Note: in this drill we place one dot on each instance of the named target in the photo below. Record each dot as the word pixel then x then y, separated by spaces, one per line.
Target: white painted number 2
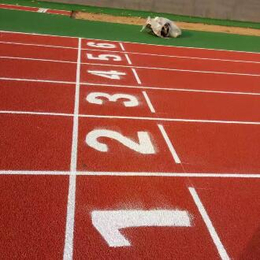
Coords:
pixel 143 146
pixel 101 45
pixel 104 57
pixel 112 74
pixel 95 98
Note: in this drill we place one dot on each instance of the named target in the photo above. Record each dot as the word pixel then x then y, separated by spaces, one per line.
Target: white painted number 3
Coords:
pixel 144 145
pixel 95 98
pixel 112 74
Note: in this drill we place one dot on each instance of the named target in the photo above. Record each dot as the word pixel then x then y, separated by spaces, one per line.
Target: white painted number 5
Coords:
pixel 95 98
pixel 144 145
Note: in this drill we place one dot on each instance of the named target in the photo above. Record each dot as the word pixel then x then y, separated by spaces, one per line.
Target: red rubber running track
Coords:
pixel 116 150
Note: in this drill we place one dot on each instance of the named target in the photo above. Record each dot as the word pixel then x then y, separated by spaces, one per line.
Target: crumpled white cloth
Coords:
pixel 156 24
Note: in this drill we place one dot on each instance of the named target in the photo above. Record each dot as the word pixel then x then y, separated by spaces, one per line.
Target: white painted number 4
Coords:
pixel 112 74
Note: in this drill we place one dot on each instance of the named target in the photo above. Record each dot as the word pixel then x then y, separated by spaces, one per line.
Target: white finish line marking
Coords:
pixel 69 233
pixel 148 101
pixel 109 222
pixel 221 250
pixel 42 10
pixel 169 144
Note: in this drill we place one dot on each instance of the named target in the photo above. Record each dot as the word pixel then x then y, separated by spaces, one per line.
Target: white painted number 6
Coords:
pixel 101 45
pixel 144 145
pixel 95 98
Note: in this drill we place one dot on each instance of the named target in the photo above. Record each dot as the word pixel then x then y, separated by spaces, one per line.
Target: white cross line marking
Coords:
pixel 221 249
pixel 136 174
pixel 128 59
pixel 177 47
pixel 136 76
pixel 148 101
pixel 179 70
pixel 173 89
pixel 122 46
pixel 70 219
pixel 36 59
pixel 169 144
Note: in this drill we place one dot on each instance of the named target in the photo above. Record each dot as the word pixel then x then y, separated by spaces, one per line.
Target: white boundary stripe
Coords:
pixel 34 113
pixel 137 87
pixel 37 45
pixel 167 46
pixel 169 144
pixel 136 174
pixel 148 101
pixel 173 89
pixel 174 69
pixel 69 233
pixel 136 76
pixel 221 249
pixel 174 119
pixel 36 59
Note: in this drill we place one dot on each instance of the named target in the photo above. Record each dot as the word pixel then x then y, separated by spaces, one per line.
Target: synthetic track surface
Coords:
pixel 115 150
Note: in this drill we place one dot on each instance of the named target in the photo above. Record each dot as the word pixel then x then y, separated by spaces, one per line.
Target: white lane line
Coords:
pixel 8 172
pixel 69 233
pixel 170 46
pixel 37 45
pixel 178 56
pixel 173 119
pixel 173 89
pixel 131 117
pixel 38 80
pixel 220 247
pixel 136 76
pixel 36 59
pixel 133 87
pixel 34 113
pixel 137 174
pixel 128 59
pixel 178 70
pixel 169 144
pixel 42 10
pixel 148 101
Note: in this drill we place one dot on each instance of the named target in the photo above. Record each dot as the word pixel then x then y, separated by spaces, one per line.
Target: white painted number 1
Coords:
pixel 143 146
pixel 112 74
pixel 109 222
pixel 95 98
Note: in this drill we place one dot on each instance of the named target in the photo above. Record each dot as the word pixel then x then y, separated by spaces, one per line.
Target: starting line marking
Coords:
pixel 136 174
pixel 136 76
pixel 70 219
pixel 221 249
